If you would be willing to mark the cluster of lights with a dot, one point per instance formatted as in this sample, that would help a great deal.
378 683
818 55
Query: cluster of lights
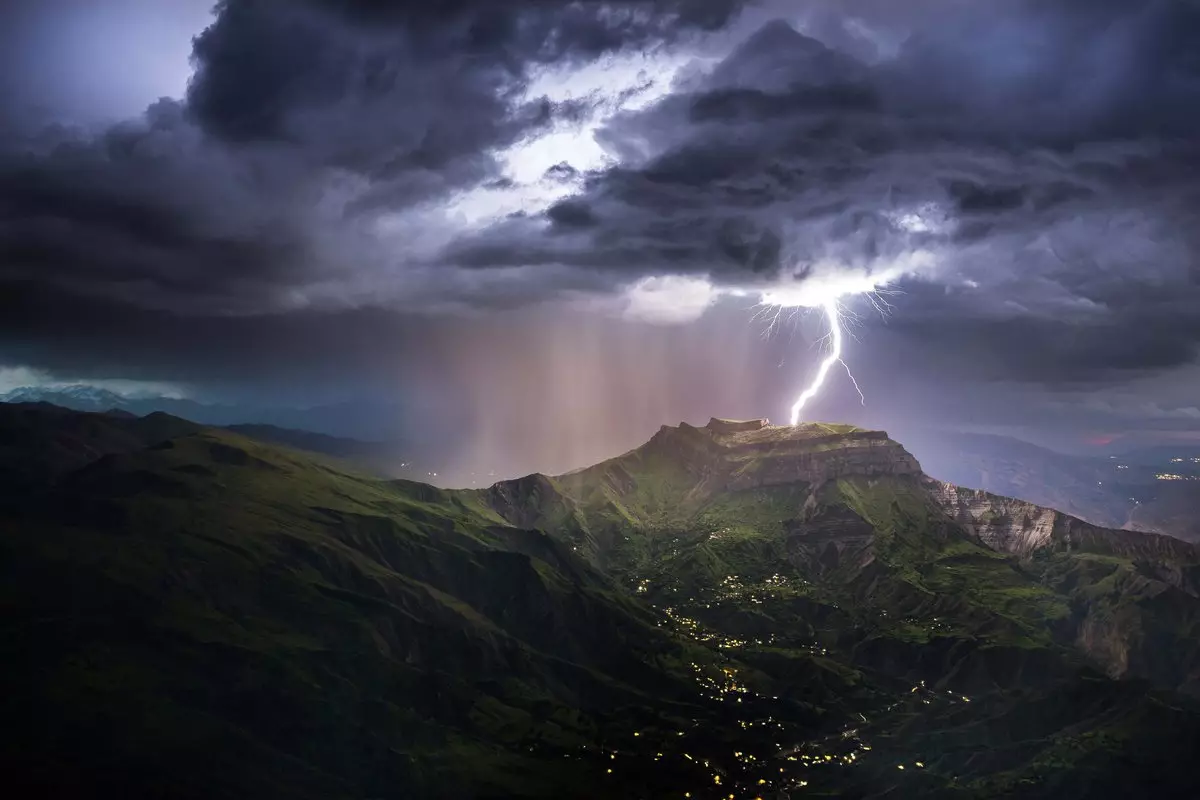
931 625
755 773
724 687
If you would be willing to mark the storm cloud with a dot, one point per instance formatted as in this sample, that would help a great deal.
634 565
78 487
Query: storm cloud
1043 158
303 125
348 189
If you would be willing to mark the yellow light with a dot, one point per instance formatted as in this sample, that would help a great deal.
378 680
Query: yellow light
899 766
610 771
919 764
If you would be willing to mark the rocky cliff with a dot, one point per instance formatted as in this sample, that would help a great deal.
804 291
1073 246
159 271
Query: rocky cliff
1015 526
1002 523
734 456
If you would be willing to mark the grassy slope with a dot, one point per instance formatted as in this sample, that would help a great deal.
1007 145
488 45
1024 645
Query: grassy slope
217 614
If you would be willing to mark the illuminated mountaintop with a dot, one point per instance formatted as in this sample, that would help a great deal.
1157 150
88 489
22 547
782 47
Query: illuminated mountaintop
741 454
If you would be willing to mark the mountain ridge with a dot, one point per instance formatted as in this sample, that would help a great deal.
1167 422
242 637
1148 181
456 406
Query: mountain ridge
710 613
839 479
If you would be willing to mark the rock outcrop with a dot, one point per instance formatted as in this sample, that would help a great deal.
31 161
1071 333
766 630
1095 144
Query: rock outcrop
1002 523
746 455
717 425
1015 526
731 455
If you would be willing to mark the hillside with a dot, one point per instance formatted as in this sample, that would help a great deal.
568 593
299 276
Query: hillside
40 442
209 615
1122 490
1087 487
735 610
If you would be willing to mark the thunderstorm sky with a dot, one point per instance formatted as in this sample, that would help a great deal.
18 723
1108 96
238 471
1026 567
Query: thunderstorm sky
536 231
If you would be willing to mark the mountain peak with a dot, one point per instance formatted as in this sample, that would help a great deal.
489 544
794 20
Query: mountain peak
79 396
732 455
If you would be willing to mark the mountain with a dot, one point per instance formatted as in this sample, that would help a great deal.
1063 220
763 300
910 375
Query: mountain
1014 468
1154 490
1171 507
40 442
396 453
80 397
368 420
736 609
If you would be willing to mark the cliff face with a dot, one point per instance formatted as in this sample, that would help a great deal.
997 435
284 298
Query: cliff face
735 456
1134 597
1018 527
1002 523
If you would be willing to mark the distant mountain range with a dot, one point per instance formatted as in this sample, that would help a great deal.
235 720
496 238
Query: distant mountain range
369 434
80 397
1117 490
1153 489
364 420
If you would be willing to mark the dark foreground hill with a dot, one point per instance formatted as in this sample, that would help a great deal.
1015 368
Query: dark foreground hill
726 611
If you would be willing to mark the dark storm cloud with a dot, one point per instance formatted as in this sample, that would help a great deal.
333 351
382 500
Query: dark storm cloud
153 212
304 123
1044 153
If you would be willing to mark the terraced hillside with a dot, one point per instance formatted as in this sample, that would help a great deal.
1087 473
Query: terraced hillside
729 611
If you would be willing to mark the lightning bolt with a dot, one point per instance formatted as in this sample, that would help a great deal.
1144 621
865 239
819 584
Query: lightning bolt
772 305
824 291
833 314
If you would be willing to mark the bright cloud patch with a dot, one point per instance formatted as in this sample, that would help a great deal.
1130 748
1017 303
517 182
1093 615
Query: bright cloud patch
671 299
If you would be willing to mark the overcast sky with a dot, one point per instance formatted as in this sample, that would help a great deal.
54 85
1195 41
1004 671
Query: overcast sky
543 226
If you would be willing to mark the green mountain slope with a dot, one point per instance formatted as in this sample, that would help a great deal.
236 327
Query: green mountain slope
819 548
40 442
733 610
213 616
